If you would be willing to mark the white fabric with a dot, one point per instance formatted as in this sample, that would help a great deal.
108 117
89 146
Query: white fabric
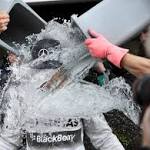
64 134
96 128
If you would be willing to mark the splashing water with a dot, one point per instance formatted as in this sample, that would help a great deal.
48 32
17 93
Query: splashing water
77 98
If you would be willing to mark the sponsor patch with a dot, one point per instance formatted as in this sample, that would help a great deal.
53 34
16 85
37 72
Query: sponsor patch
66 138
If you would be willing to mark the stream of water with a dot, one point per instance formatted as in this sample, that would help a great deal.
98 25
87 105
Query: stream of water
77 98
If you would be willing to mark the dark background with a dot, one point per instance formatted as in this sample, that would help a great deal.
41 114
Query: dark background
63 11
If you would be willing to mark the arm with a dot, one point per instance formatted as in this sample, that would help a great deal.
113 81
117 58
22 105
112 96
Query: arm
101 134
136 65
100 47
10 138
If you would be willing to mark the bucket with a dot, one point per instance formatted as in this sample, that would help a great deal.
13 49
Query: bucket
117 20
23 22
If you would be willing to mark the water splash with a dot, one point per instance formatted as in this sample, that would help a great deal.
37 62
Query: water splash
77 98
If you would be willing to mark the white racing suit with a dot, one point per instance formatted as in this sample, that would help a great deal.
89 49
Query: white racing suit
57 134
51 134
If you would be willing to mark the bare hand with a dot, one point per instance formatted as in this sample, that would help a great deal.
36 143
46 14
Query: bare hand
4 20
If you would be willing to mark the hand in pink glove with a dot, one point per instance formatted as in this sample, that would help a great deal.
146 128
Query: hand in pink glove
99 47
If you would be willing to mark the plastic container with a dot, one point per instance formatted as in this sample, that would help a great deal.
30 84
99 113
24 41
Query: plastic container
117 20
24 21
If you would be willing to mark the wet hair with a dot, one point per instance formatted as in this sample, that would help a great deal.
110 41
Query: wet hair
141 93
48 45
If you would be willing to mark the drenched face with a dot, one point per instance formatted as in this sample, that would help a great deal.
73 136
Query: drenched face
12 58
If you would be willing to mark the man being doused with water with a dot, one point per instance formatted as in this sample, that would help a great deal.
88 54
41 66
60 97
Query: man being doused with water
47 132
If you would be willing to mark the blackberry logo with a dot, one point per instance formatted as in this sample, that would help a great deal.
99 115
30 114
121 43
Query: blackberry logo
55 138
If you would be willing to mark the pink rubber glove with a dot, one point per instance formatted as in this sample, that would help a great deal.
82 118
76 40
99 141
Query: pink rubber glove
99 47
